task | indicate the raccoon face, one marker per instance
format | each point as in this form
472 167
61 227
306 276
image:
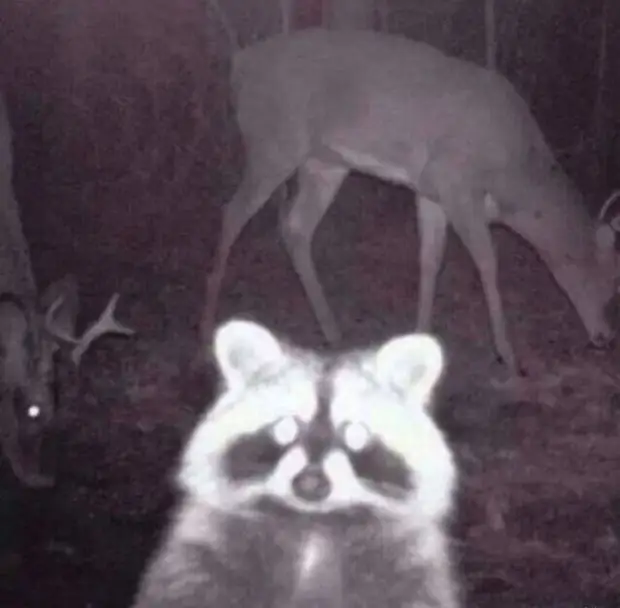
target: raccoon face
321 434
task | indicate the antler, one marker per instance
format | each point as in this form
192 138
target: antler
105 324
608 203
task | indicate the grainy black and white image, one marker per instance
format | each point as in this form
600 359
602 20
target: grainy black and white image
340 172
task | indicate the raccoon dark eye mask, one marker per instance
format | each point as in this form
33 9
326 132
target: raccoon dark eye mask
255 456
383 469
252 456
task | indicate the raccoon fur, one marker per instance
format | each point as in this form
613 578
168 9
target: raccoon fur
314 481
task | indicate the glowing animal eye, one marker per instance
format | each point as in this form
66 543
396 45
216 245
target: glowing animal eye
285 431
34 411
356 436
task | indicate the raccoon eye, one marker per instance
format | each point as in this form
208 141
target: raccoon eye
356 436
285 431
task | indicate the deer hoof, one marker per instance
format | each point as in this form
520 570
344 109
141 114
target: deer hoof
514 369
601 341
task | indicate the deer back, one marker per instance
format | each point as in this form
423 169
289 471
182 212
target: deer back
381 100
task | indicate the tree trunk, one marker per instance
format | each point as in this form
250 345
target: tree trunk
491 38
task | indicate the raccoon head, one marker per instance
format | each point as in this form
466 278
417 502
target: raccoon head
321 434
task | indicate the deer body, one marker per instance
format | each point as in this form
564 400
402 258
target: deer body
322 103
15 270
32 328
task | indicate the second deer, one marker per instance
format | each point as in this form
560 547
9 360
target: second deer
321 103
32 329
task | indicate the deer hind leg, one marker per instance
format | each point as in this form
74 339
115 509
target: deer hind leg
432 228
260 180
466 213
318 183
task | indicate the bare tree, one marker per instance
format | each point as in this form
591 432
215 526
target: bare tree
489 29
599 132
383 15
287 12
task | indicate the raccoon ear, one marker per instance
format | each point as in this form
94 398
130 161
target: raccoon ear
410 363
241 348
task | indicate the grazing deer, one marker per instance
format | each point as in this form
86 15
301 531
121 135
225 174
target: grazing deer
322 103
32 328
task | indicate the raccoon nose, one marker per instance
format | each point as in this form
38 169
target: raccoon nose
311 485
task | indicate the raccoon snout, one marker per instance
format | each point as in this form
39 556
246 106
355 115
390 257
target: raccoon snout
311 484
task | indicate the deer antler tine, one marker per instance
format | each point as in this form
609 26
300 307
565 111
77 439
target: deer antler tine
608 202
105 324
51 327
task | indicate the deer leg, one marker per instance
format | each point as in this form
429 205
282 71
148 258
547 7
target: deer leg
318 183
258 184
432 228
467 217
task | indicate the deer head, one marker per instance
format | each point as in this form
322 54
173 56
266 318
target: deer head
31 334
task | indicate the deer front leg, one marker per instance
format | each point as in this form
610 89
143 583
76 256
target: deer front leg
259 182
318 184
432 228
467 216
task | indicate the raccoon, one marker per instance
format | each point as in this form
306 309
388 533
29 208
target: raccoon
315 480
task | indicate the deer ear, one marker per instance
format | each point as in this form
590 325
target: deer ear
242 348
411 364
64 290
